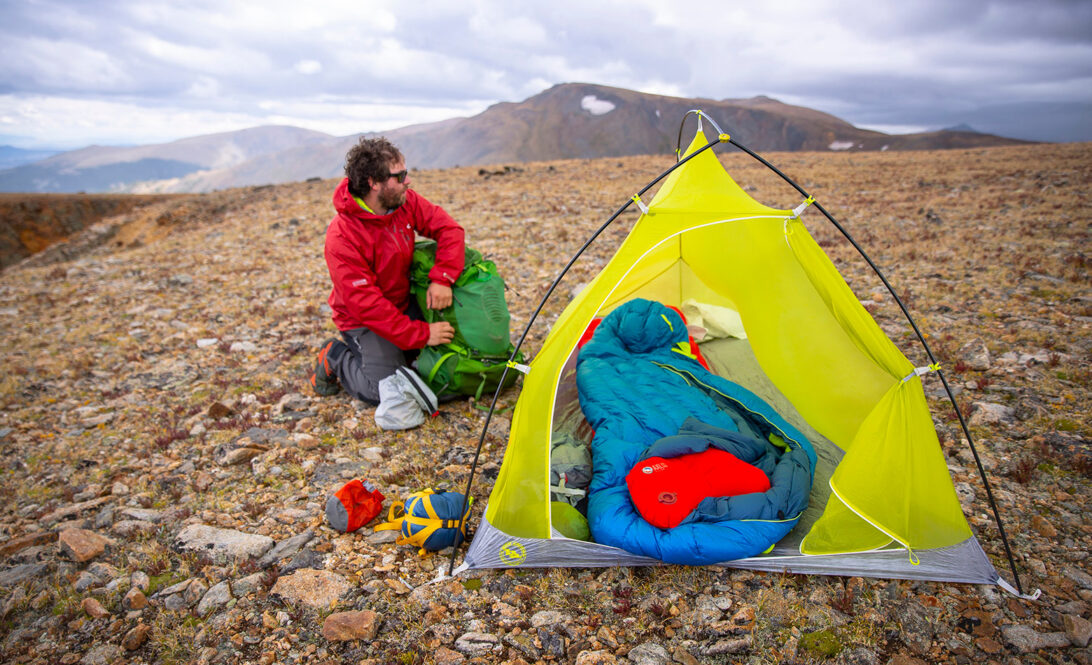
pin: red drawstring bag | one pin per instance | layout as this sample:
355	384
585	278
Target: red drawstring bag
354	505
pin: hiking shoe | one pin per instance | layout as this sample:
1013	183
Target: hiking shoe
323	378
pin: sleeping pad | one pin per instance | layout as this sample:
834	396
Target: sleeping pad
646	396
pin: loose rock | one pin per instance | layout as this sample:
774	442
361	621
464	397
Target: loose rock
132	528
136	637
242	588
214	598
595	658
476	644
1078	630
28	540
224	545
103	654
93	608
1081	578
986	413
20	573
134	600
547	618
74	509
730	646
1026	639
342	626
82	545
649	653
194	592
313	588
286	548
445	656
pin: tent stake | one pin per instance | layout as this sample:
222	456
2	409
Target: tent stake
928	351
538	310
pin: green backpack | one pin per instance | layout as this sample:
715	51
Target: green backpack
473	361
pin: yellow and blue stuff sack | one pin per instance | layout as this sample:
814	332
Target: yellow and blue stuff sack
429	519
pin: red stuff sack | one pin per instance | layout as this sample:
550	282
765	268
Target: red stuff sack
354	505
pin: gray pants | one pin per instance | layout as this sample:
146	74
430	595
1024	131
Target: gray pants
369	359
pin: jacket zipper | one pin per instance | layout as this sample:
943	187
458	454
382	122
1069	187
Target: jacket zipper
399	239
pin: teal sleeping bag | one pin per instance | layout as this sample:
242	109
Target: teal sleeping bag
645	395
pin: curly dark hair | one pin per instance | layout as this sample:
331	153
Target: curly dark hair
370	158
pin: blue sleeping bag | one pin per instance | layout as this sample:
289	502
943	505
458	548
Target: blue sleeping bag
645	395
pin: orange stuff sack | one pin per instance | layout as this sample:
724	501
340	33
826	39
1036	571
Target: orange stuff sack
353	506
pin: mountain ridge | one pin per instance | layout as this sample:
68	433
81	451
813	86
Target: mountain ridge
11	157
566	121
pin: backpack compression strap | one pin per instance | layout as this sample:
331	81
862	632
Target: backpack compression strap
440	363
437	366
429	524
394	521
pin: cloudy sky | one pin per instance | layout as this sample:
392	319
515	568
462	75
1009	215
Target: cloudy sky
74	72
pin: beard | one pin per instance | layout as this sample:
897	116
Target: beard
392	198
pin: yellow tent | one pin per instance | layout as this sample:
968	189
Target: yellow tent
882	503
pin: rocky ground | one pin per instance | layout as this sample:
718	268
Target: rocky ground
33	222
165	466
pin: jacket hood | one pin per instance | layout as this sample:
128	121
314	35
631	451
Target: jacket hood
345	204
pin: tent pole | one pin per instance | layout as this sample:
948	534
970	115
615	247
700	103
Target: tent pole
538	310
928	351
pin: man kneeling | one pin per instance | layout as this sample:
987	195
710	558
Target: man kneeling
369	251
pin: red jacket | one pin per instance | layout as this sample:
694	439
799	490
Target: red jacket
369	259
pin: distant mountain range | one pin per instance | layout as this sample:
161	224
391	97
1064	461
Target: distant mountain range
571	120
10	156
120	169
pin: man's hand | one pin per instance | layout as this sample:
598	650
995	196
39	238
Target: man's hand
438	296
440	332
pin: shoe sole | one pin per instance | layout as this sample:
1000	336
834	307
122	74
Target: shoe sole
325	391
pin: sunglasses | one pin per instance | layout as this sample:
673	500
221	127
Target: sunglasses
400	176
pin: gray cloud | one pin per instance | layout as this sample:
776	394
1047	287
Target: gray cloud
149	69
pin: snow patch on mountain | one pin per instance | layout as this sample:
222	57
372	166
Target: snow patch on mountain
596	106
